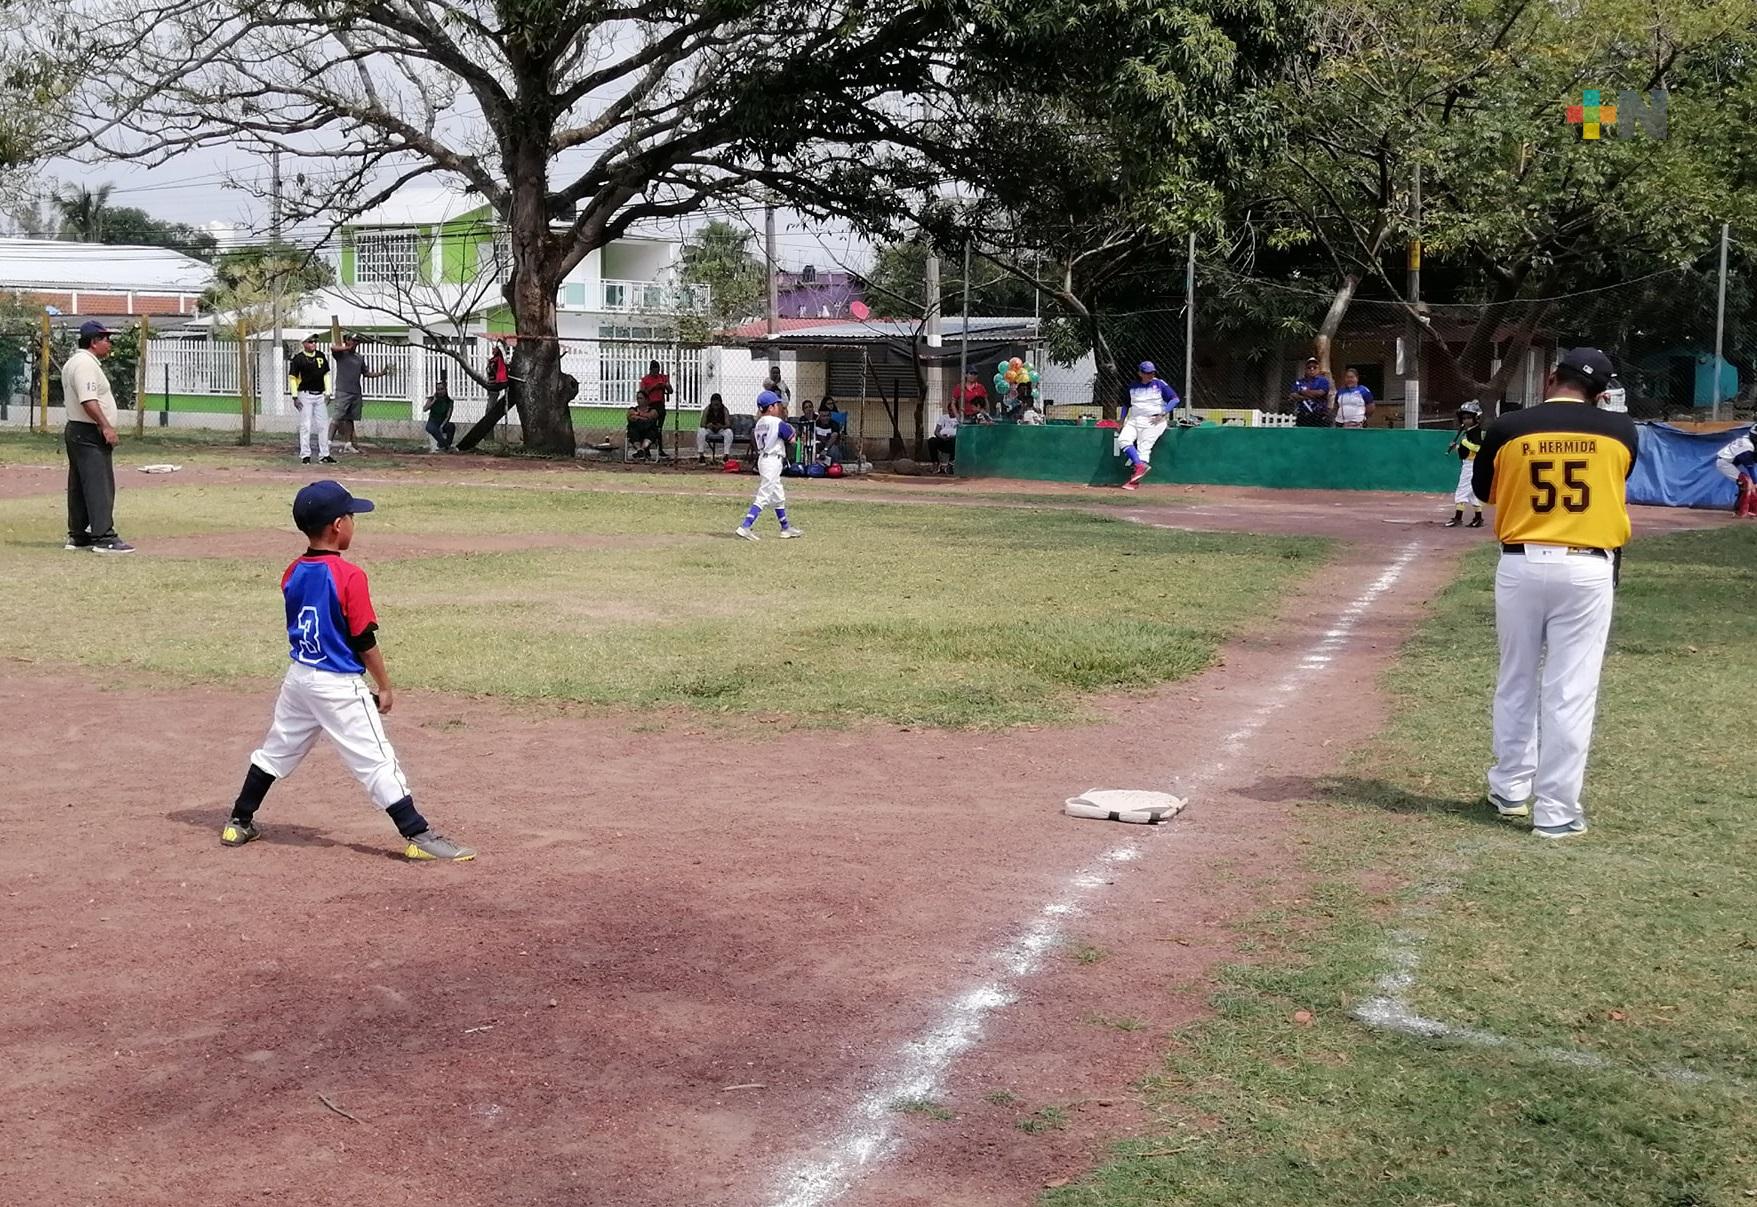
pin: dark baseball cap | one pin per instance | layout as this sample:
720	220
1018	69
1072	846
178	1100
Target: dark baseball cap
92	329
1589	363
1146	366
323	503
310	339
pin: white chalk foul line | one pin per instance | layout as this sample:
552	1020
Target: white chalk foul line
867	1133
1390	1010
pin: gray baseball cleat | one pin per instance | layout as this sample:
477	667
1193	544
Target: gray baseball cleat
432	845
1567	831
1510	808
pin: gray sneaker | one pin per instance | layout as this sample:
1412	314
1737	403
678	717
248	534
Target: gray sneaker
1510	808
745	534
431	844
113	545
1567	831
788	534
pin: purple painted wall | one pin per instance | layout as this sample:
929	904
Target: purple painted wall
824	295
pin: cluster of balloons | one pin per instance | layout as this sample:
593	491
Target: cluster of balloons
1014	372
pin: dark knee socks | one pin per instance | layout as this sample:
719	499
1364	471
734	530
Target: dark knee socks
257	782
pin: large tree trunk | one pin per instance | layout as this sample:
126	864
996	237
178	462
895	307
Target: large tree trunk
1333	317
536	362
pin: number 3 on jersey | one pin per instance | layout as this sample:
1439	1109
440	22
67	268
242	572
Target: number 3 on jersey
309	649
1545	493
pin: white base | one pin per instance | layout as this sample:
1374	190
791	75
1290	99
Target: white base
1125	804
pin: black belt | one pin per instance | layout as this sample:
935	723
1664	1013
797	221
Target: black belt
1575	550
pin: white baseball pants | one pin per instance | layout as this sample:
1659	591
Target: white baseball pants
1728	470
1552	618
703	438
1143	434
769	491
313	417
1464	494
314	702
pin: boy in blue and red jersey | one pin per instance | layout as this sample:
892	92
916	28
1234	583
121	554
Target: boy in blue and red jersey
332	631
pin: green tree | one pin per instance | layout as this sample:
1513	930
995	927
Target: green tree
718	257
588	116
239	270
85	213
897	283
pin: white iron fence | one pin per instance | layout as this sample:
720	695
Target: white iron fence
609	371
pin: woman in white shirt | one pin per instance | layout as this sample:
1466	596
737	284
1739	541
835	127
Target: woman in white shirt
945	439
1354	402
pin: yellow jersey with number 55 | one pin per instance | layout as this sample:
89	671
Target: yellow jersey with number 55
1557	473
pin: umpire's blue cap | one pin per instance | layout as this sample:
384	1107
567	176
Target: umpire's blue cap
323	503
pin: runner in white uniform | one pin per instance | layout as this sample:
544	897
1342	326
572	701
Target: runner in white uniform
1151	402
1738	461
770	439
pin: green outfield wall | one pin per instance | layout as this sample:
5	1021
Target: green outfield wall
1290	458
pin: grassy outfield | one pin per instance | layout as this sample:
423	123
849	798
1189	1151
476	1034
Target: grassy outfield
1636	943
953	616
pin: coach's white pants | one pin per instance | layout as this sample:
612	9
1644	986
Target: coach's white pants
1143	434
703	438
1728	470
1464	494
769	491
313	417
314	702
1552	617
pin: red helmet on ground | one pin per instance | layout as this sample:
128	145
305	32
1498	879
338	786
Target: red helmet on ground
730	467
835	470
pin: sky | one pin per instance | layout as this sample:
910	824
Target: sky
193	189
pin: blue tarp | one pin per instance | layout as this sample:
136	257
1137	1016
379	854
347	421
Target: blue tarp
1676	468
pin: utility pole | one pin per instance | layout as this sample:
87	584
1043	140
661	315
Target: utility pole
933	299
1720	322
774	285
964	338
1190	325
1412	323
277	370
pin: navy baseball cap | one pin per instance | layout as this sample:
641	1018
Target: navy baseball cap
323	503
1589	363
92	329
767	398
1146	366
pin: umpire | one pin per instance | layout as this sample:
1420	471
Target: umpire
91	442
1556	474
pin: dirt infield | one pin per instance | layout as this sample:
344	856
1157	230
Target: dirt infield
678	963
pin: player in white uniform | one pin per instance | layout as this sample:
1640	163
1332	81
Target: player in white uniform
1467	443
770	440
1151	402
1738	462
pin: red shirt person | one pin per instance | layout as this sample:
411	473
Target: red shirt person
972	395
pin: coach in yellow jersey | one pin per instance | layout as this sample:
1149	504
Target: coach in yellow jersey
1556	475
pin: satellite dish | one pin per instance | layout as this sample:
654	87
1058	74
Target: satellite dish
860	310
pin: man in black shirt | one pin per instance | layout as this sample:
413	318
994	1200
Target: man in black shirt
307	380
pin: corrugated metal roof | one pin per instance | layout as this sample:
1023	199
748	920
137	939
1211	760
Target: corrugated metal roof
51	265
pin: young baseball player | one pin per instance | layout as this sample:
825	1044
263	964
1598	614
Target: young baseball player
770	439
332	630
1557	474
308	379
1354	402
1151	402
1738	461
1467	443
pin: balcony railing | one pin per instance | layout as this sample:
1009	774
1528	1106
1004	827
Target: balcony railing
653	297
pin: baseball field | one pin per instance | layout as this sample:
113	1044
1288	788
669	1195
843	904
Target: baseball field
775	905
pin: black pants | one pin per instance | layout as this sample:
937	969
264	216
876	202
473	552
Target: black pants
645	429
1305	418
943	444
91	485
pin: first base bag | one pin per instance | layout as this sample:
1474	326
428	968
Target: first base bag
1125	804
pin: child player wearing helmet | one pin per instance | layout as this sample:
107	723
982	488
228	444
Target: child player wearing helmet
1466	444
770	440
1738	461
1151	402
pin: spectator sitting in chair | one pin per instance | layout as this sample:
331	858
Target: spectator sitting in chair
440	429
646	419
716	424
827	433
945	438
